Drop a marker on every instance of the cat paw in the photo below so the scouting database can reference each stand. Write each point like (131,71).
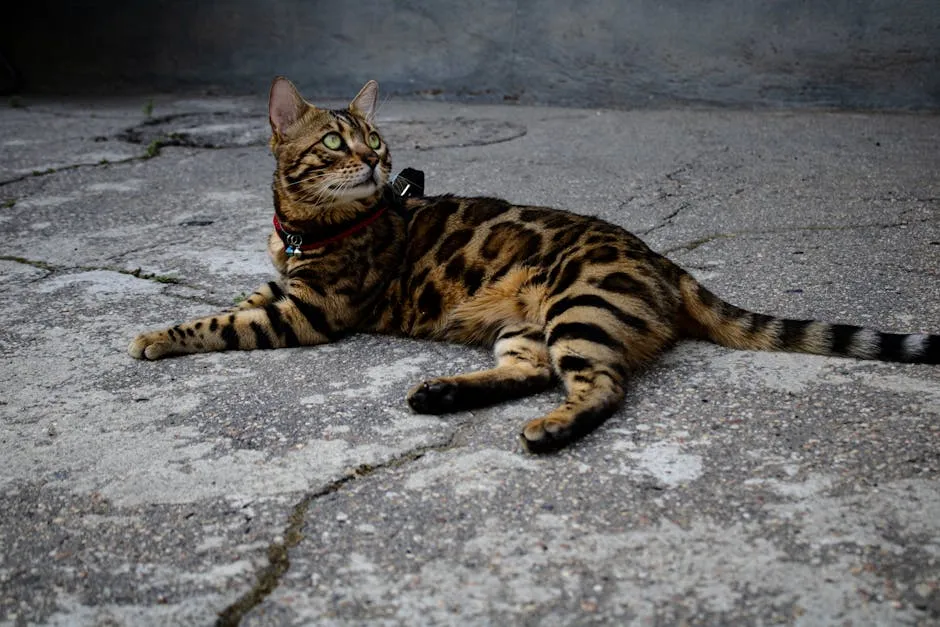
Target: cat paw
(433,397)
(150,346)
(545,435)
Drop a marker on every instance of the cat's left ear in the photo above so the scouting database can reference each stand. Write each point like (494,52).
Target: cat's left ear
(365,102)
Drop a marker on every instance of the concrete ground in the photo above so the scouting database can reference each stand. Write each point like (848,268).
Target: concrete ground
(295,487)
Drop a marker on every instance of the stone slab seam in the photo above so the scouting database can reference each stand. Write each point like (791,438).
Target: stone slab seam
(269,576)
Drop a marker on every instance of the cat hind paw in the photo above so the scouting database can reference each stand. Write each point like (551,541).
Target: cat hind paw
(149,346)
(545,435)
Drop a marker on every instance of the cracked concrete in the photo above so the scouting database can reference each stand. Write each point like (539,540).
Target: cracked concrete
(295,487)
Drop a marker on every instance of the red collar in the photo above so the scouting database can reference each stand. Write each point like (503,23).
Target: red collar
(295,243)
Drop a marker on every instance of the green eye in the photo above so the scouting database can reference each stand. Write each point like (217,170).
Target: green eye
(333,141)
(374,141)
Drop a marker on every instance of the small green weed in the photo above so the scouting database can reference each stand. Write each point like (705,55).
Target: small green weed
(153,149)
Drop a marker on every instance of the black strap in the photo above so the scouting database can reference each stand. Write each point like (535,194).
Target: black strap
(408,184)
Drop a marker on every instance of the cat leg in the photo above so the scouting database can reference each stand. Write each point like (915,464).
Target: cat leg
(594,388)
(264,295)
(522,368)
(298,319)
(598,330)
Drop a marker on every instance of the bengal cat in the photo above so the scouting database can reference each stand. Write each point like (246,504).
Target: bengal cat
(558,296)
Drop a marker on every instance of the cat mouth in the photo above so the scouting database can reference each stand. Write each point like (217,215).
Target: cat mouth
(366,185)
(345,188)
(356,191)
(368,181)
(363,188)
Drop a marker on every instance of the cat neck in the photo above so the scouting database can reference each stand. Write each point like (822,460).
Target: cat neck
(308,234)
(297,215)
(302,227)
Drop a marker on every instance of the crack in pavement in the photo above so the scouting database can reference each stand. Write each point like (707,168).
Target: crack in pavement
(698,242)
(152,150)
(43,109)
(137,273)
(74,166)
(668,220)
(42,265)
(269,577)
(925,199)
(661,194)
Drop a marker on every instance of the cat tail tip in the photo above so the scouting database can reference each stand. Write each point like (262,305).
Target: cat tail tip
(708,317)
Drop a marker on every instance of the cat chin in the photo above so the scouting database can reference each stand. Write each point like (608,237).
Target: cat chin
(359,192)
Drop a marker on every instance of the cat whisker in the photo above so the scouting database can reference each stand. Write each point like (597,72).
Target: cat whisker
(382,103)
(306,180)
(405,179)
(318,194)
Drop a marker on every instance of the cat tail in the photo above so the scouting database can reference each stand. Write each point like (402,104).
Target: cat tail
(705,316)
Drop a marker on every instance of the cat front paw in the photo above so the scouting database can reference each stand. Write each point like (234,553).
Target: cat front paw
(151,346)
(433,397)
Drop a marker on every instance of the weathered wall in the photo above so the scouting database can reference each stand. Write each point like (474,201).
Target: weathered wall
(846,53)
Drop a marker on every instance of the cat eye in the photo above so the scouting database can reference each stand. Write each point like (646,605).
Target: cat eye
(374,141)
(333,141)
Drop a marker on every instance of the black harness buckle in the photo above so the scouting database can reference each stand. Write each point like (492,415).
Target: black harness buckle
(409,184)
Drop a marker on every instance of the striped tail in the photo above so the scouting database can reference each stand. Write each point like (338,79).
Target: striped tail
(709,317)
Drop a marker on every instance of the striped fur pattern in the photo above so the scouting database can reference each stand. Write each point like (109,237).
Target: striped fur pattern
(560,297)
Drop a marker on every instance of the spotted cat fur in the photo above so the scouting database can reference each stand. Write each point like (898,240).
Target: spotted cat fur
(558,296)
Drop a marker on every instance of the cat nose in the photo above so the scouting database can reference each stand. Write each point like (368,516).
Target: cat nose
(372,160)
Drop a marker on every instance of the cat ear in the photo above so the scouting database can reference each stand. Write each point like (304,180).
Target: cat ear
(285,105)
(365,102)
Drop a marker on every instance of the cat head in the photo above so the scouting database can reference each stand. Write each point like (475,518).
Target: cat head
(327,157)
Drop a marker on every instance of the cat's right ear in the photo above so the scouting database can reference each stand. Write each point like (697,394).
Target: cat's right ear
(365,102)
(285,105)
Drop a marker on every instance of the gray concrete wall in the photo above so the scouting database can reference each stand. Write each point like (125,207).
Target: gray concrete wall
(842,53)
